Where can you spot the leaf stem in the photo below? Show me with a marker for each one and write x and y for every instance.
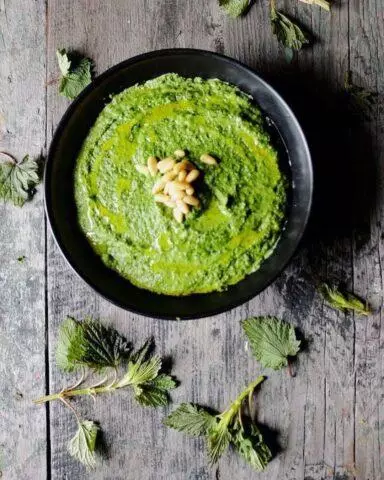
(9, 157)
(74, 393)
(272, 5)
(236, 405)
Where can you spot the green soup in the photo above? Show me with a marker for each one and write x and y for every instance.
(242, 199)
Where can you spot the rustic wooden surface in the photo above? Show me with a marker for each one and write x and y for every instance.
(329, 418)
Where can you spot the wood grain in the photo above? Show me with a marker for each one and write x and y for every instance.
(22, 284)
(328, 420)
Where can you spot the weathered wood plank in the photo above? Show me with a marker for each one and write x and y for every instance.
(366, 60)
(23, 435)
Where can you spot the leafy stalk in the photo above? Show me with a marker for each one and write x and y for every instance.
(343, 301)
(288, 32)
(224, 429)
(91, 345)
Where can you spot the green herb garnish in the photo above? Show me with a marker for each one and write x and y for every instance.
(17, 179)
(76, 73)
(231, 427)
(343, 301)
(271, 340)
(21, 258)
(235, 8)
(360, 100)
(288, 33)
(321, 3)
(83, 445)
(95, 349)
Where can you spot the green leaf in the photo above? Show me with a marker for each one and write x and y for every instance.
(251, 446)
(191, 419)
(89, 343)
(325, 4)
(219, 438)
(343, 301)
(76, 73)
(70, 348)
(360, 100)
(82, 446)
(287, 31)
(141, 372)
(235, 8)
(156, 392)
(104, 346)
(17, 179)
(63, 61)
(271, 340)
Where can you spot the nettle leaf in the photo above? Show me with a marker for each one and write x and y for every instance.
(326, 5)
(360, 100)
(343, 301)
(70, 348)
(89, 343)
(251, 446)
(17, 179)
(271, 340)
(83, 445)
(76, 73)
(289, 33)
(104, 346)
(156, 392)
(218, 440)
(63, 61)
(235, 8)
(191, 419)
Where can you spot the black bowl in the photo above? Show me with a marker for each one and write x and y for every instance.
(74, 127)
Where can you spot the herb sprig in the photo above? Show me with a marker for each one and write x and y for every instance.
(272, 341)
(76, 73)
(97, 349)
(231, 427)
(18, 179)
(343, 301)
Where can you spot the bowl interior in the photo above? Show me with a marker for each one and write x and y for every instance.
(74, 127)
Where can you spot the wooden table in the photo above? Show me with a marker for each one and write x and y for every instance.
(330, 418)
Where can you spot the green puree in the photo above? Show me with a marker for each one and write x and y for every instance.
(242, 198)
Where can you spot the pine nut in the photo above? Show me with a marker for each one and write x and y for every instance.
(182, 206)
(179, 185)
(190, 191)
(169, 176)
(179, 153)
(177, 194)
(161, 198)
(190, 200)
(158, 186)
(166, 164)
(170, 204)
(192, 175)
(152, 165)
(208, 159)
(142, 169)
(182, 175)
(178, 214)
(187, 165)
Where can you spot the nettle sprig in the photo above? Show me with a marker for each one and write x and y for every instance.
(232, 427)
(97, 350)
(287, 31)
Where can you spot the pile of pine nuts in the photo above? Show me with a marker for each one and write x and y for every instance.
(174, 188)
